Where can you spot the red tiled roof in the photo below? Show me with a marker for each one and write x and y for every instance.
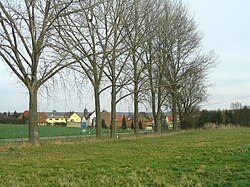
(23, 115)
(41, 116)
(119, 118)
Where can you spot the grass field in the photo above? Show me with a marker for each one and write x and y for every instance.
(219, 157)
(9, 131)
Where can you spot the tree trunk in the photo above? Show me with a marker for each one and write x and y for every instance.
(136, 93)
(158, 122)
(159, 114)
(153, 102)
(136, 111)
(174, 115)
(113, 112)
(98, 113)
(154, 110)
(33, 118)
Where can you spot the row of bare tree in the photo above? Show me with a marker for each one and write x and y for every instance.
(150, 49)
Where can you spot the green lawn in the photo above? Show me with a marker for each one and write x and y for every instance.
(9, 131)
(218, 157)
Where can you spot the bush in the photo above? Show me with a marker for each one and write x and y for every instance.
(104, 126)
(140, 124)
(132, 125)
(60, 124)
(124, 126)
(209, 126)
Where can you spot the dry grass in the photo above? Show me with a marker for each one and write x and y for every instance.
(209, 126)
(218, 157)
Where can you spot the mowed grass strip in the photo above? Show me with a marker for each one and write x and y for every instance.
(218, 157)
(11, 131)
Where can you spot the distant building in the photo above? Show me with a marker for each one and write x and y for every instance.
(56, 120)
(106, 116)
(73, 119)
(40, 115)
(86, 113)
(91, 119)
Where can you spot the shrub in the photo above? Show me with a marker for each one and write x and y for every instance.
(132, 125)
(104, 126)
(60, 124)
(124, 126)
(209, 126)
(140, 124)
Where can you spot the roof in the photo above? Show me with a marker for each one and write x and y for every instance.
(23, 115)
(68, 114)
(55, 116)
(55, 113)
(41, 116)
(119, 118)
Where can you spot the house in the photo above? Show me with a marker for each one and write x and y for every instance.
(42, 118)
(85, 117)
(86, 113)
(119, 119)
(73, 119)
(40, 115)
(24, 115)
(91, 120)
(106, 116)
(84, 120)
(56, 120)
(144, 118)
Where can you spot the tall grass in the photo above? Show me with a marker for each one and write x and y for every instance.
(219, 157)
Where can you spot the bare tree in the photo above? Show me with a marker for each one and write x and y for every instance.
(158, 48)
(26, 32)
(156, 93)
(174, 61)
(137, 30)
(236, 105)
(118, 12)
(85, 37)
(93, 37)
(181, 55)
(193, 91)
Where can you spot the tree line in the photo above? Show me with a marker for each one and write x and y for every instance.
(10, 118)
(237, 117)
(149, 50)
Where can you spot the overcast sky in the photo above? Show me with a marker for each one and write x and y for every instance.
(226, 29)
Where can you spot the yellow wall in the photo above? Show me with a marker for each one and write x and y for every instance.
(55, 119)
(74, 118)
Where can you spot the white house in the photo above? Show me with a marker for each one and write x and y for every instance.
(91, 119)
